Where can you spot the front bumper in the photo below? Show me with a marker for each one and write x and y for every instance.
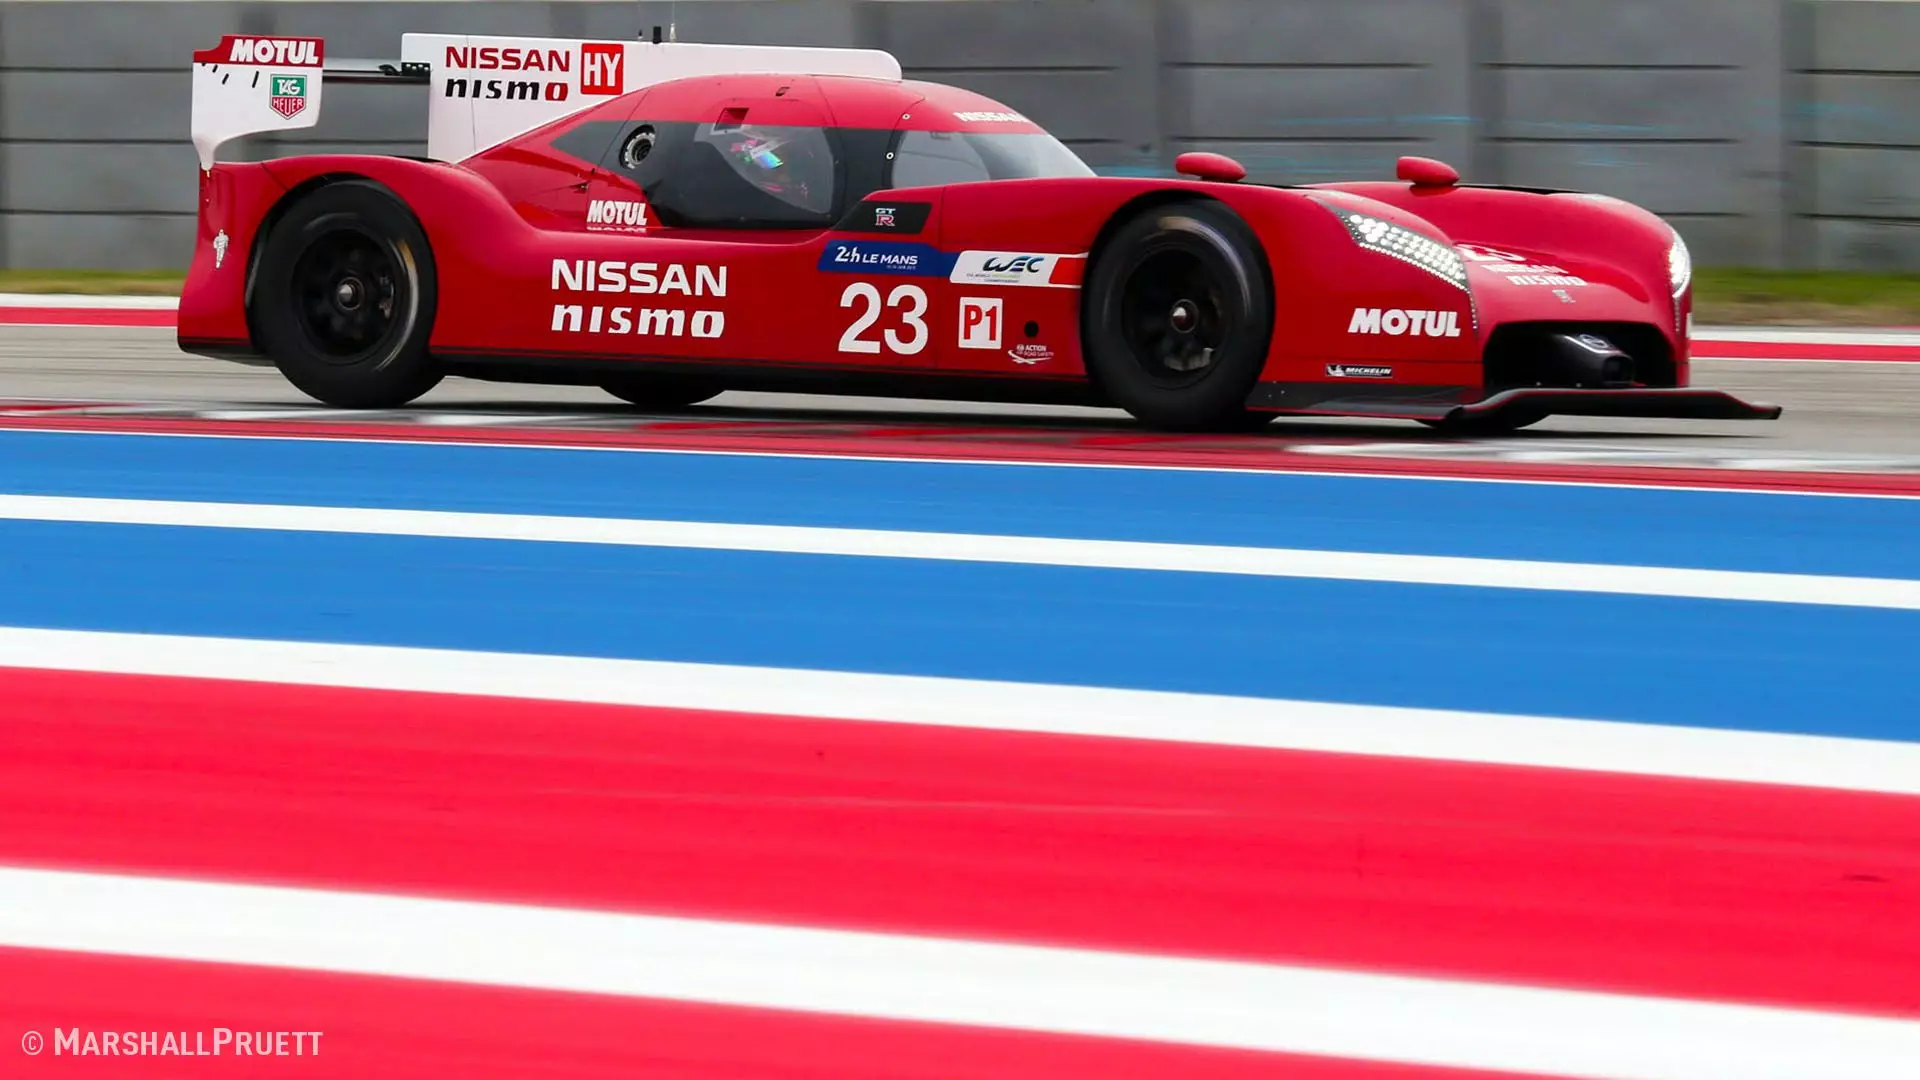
(1437, 404)
(1683, 403)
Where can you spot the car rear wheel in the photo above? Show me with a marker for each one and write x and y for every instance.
(1177, 317)
(344, 298)
(653, 391)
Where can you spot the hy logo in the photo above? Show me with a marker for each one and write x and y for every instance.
(289, 95)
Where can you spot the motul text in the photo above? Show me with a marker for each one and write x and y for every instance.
(288, 52)
(1395, 322)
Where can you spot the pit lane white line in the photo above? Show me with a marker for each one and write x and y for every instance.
(1776, 588)
(1209, 719)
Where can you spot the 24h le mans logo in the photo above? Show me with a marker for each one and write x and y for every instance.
(289, 95)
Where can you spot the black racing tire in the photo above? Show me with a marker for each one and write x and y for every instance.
(1177, 315)
(656, 391)
(344, 298)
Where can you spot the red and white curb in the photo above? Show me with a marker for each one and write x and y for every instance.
(1797, 345)
(70, 309)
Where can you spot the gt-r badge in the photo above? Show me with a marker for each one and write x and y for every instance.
(220, 242)
(1359, 371)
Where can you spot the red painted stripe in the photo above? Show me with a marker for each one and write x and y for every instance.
(62, 316)
(1806, 351)
(1253, 455)
(1669, 888)
(399, 1029)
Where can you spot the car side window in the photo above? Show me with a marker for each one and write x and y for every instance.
(931, 158)
(732, 173)
(792, 165)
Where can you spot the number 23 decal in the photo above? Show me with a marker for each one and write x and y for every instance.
(911, 297)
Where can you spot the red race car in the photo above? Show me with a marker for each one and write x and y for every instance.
(670, 221)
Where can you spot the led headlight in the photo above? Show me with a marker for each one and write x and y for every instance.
(1397, 241)
(1679, 266)
(1680, 277)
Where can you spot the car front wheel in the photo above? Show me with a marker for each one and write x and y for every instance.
(1177, 317)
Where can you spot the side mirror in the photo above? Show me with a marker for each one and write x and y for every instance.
(1426, 172)
(1202, 166)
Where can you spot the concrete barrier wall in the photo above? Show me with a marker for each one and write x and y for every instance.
(1779, 133)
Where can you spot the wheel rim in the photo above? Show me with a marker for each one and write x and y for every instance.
(347, 294)
(1174, 316)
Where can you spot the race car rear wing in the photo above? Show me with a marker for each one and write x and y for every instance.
(482, 91)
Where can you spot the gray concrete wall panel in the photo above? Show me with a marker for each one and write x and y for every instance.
(105, 178)
(1611, 105)
(95, 241)
(1886, 246)
(136, 106)
(1318, 34)
(1865, 182)
(1772, 132)
(1002, 34)
(1633, 33)
(742, 22)
(1379, 103)
(112, 36)
(1870, 110)
(1864, 36)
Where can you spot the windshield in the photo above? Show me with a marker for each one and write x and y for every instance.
(928, 158)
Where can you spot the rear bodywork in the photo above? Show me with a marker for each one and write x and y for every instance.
(552, 265)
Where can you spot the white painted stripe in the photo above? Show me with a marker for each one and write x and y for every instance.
(90, 303)
(1219, 720)
(1809, 335)
(1890, 593)
(1067, 991)
(1885, 364)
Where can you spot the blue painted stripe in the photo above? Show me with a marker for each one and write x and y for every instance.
(1686, 662)
(1709, 530)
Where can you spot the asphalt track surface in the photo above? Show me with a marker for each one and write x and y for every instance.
(1831, 408)
(507, 760)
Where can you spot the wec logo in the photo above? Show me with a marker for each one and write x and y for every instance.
(1396, 322)
(1004, 268)
(1019, 264)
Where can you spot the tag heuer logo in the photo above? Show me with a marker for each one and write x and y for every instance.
(289, 95)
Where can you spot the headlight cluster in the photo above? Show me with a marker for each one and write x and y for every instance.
(1402, 243)
(1679, 266)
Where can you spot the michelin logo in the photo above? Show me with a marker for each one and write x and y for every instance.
(1358, 371)
(1397, 322)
